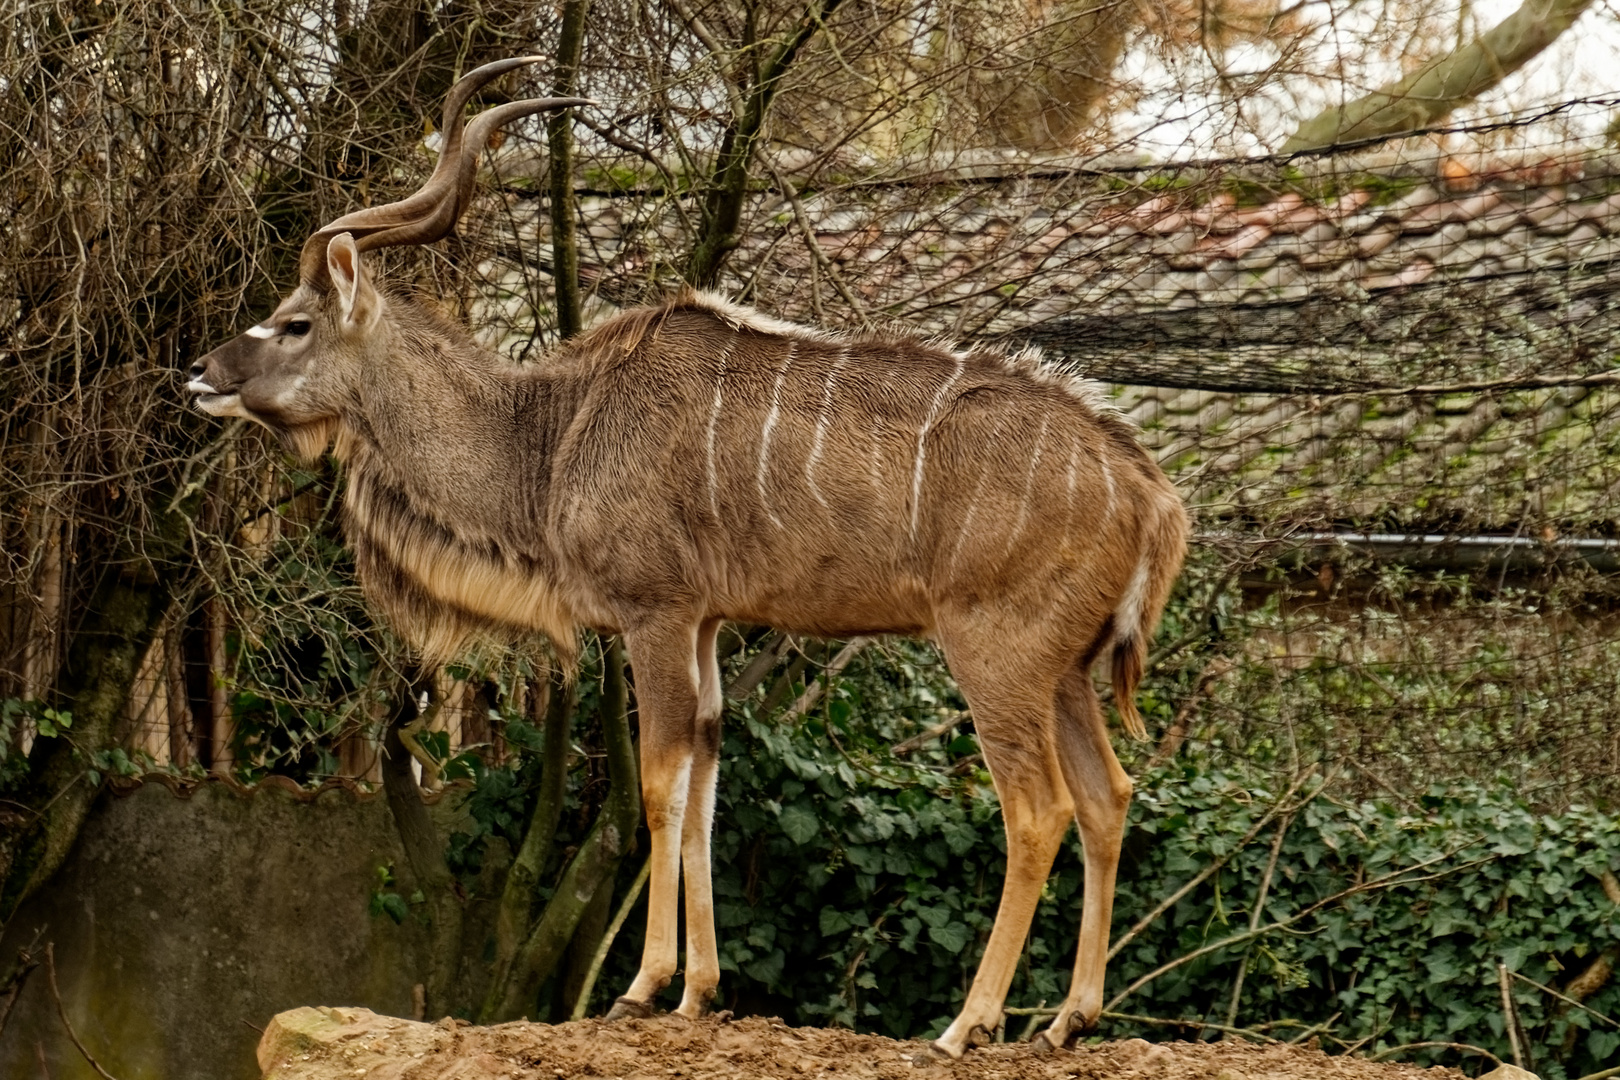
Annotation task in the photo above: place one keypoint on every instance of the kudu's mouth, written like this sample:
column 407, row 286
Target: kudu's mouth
column 211, row 401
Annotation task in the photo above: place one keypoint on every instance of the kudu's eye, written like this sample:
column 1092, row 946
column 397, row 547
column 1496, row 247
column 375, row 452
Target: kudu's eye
column 298, row 327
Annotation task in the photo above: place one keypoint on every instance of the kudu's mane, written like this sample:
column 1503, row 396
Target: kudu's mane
column 623, row 333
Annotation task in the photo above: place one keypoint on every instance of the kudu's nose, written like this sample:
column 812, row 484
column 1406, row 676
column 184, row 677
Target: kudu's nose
column 197, row 369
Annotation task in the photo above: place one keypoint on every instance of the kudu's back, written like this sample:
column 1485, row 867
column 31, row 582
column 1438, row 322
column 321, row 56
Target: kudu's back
column 844, row 484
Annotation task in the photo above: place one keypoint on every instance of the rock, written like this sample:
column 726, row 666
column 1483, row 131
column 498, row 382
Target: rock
column 296, row 1040
column 1505, row 1071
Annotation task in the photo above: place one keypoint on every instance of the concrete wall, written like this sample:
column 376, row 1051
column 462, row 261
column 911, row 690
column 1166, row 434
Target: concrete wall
column 184, row 921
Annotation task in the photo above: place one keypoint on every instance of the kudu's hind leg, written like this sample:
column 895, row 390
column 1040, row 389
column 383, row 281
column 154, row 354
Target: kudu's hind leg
column 702, row 951
column 666, row 669
column 1015, row 725
column 1102, row 797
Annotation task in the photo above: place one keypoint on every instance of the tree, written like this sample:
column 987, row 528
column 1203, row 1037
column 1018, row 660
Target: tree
column 1438, row 87
column 164, row 162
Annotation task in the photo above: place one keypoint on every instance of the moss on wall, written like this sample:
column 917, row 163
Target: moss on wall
column 182, row 923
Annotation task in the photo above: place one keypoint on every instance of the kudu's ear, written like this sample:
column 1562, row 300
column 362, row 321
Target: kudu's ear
column 357, row 299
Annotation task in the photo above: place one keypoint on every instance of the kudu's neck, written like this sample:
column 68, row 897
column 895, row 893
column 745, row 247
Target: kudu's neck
column 466, row 435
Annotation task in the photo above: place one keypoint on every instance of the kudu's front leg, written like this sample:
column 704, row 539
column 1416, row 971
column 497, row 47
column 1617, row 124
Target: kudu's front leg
column 668, row 681
column 702, row 950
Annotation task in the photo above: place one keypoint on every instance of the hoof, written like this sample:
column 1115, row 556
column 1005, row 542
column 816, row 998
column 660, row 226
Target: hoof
column 1062, row 1033
column 935, row 1054
column 696, row 1007
column 629, row 1009
column 723, row 1016
column 978, row 1035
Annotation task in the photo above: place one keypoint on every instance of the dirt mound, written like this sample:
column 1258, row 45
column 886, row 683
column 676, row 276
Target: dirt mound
column 326, row 1043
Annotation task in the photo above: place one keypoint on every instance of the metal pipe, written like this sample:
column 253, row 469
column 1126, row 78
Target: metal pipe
column 1438, row 549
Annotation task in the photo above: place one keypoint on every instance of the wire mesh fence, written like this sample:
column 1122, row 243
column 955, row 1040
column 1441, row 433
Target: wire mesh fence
column 1384, row 377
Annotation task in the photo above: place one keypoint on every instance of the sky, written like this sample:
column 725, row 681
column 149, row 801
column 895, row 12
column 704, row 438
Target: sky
column 1180, row 115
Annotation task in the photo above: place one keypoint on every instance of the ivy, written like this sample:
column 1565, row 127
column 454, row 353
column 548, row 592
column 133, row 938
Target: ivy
column 856, row 888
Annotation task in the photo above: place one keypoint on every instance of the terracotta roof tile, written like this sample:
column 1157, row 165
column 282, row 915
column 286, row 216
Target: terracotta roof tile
column 1442, row 273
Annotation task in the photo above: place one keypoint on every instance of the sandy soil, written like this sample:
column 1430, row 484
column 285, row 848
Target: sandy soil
column 324, row 1044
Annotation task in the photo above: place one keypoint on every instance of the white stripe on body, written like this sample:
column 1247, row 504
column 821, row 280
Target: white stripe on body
column 1108, row 481
column 820, row 438
column 1029, row 485
column 1069, row 478
column 714, row 423
column 767, row 430
column 875, row 462
column 973, row 504
column 922, row 435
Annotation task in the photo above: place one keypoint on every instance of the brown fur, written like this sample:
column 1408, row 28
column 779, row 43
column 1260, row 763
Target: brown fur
column 694, row 462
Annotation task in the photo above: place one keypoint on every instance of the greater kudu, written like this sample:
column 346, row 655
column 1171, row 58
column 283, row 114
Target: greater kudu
column 680, row 465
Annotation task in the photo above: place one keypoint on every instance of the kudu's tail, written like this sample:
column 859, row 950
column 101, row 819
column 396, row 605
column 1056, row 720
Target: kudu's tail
column 1164, row 545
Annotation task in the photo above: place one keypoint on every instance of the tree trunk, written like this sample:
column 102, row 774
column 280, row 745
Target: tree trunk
column 517, row 896
column 105, row 653
column 1036, row 73
column 560, row 140
column 424, row 850
column 593, row 866
column 728, row 187
column 582, row 949
column 1442, row 85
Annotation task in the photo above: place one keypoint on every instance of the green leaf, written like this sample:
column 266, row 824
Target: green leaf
column 799, row 822
column 394, row 905
column 952, row 936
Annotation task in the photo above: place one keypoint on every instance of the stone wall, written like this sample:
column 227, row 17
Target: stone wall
column 188, row 916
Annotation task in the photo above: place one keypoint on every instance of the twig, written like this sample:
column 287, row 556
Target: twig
column 1209, row 871
column 1248, row 1033
column 1040, row 1011
column 759, row 667
column 602, row 947
column 1566, row 999
column 14, row 982
column 1465, row 1047
column 1611, row 886
column 1390, row 880
column 1176, row 733
column 812, row 693
column 206, row 457
column 813, row 244
column 1316, row 1028
column 1604, row 1075
column 906, row 746
column 1254, row 915
column 1510, row 1016
column 61, row 1010
column 1518, row 382
column 1035, row 1016
column 1400, row 797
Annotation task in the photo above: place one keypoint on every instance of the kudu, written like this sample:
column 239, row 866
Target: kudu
column 681, row 465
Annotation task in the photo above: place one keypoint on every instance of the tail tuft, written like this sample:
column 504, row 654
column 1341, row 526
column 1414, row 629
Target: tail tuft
column 1130, row 656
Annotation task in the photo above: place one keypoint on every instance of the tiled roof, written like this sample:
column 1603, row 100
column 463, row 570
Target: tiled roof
column 1255, row 323
column 1457, row 462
